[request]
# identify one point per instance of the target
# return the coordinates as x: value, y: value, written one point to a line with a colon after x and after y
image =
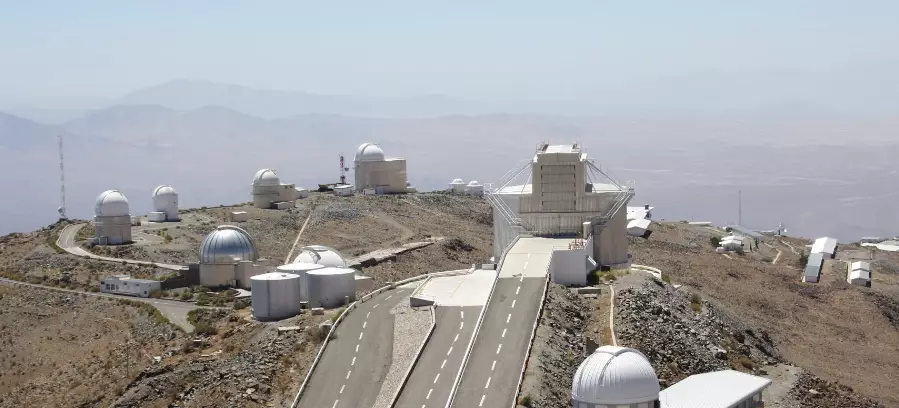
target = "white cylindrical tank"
x: 457, y: 186
x: 331, y: 287
x: 165, y: 200
x: 276, y: 295
x: 474, y: 188
x: 300, y: 269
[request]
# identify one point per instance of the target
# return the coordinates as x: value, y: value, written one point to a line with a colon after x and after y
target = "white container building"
x: 825, y: 245
x: 859, y: 273
x: 276, y: 295
x: 638, y: 227
x: 165, y: 204
x: 112, y: 219
x: 344, y: 190
x: 268, y: 190
x: 474, y: 188
x: 331, y: 287
x: 126, y: 285
x: 300, y: 269
x: 812, y: 271
x: 321, y: 255
x: 228, y: 258
x: 373, y: 169
x: 732, y: 243
x: 457, y: 186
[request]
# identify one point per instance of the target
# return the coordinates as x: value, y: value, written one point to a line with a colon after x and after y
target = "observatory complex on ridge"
x: 564, y: 194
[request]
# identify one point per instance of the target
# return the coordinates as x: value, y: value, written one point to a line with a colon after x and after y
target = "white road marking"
x: 499, y: 348
x: 342, y: 387
x: 450, y: 350
x: 367, y: 314
x: 457, y: 338
x: 482, y: 401
x: 461, y: 325
x: 493, y: 366
x: 504, y: 333
x: 360, y: 335
x: 521, y: 279
x: 435, y: 378
x: 335, y: 403
x: 348, y: 374
x: 429, y: 393
x: 509, y: 317
x: 488, y: 382
x: 444, y: 363
x: 354, y: 361
x: 366, y: 323
x: 461, y: 314
x: 517, y: 290
x: 513, y: 306
x: 357, y: 348
x: 388, y: 297
x: 525, y: 267
x: 375, y: 307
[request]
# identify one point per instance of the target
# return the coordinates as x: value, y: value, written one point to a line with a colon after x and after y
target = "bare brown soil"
x: 839, y: 332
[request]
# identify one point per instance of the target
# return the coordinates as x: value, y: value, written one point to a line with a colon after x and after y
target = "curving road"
x: 431, y: 380
x: 355, y: 362
x: 66, y: 241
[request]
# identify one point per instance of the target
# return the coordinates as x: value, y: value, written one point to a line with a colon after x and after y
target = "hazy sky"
x: 66, y: 53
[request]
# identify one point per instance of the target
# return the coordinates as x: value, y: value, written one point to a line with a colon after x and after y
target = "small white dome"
x: 266, y: 177
x: 474, y: 183
x: 321, y: 255
x: 457, y: 181
x: 369, y: 152
x: 226, y: 244
x: 163, y: 191
x: 111, y: 203
x: 615, y: 375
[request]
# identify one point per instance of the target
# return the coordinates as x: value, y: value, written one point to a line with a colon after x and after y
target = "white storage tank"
x: 276, y: 295
x: 300, y: 269
x: 331, y: 287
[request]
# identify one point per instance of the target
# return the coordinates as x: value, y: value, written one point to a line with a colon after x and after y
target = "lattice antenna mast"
x: 62, y: 182
x: 343, y: 170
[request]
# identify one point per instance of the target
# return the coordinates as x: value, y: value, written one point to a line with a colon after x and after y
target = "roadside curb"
x: 421, y: 348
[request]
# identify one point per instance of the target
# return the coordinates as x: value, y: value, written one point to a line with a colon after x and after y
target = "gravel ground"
x: 410, y: 329
x: 557, y: 351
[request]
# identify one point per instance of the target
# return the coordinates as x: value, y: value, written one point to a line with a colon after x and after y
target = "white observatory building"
x: 112, y: 219
x: 615, y: 377
x: 374, y: 170
x: 269, y: 192
x: 619, y: 377
x: 165, y: 205
x: 320, y: 255
x: 564, y: 194
x: 228, y: 258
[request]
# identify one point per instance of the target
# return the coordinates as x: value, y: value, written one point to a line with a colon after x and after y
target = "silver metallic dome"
x: 227, y: 243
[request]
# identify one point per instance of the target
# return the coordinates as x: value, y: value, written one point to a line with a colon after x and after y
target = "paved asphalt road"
x: 174, y: 310
x: 432, y: 378
x: 355, y: 363
x: 494, y: 367
x: 66, y: 241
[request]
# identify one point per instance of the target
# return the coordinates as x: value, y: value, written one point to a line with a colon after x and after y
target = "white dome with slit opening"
x: 321, y: 255
x: 266, y: 177
x: 615, y: 376
x: 111, y: 203
x: 369, y: 152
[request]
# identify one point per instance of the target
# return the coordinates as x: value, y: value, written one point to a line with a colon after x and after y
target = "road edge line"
x: 421, y: 348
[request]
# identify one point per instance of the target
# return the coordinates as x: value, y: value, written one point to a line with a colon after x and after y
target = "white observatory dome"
x: 266, y: 177
x: 457, y: 181
x: 225, y: 244
x: 369, y: 152
x: 615, y: 376
x: 321, y: 255
x: 111, y: 203
x: 165, y: 199
x: 474, y: 183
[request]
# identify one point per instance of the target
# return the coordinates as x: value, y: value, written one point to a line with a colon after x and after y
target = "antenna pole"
x: 342, y: 170
x: 739, y: 207
x: 62, y: 182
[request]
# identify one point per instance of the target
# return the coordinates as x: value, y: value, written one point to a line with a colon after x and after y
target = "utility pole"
x: 739, y: 207
x: 62, y: 182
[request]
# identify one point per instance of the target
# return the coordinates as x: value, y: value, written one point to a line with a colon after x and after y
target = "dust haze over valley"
x: 807, y: 131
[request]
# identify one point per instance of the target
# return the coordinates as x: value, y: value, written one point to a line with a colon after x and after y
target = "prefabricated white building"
x: 825, y: 245
x: 300, y: 269
x: 813, y: 268
x: 276, y: 295
x: 733, y: 243
x: 126, y: 285
x: 165, y: 202
x: 638, y: 227
x: 331, y: 287
x: 560, y: 197
x: 859, y: 273
x: 373, y: 169
x: 112, y: 218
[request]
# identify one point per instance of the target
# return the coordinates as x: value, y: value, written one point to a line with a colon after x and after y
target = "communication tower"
x: 62, y: 182
x: 343, y: 170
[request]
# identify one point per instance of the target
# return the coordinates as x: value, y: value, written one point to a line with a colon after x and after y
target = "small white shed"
x: 859, y: 273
